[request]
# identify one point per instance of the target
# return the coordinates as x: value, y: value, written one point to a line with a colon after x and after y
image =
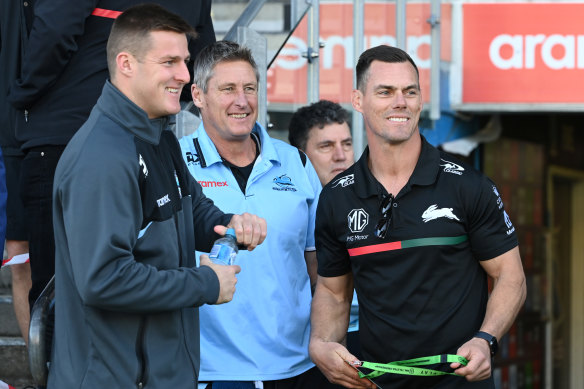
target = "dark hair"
x: 220, y: 51
x: 318, y: 115
x: 382, y: 53
x: 131, y: 30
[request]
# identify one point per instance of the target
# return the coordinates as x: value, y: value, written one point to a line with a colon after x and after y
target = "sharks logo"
x: 451, y: 167
x: 344, y: 181
x: 433, y: 212
x: 284, y: 183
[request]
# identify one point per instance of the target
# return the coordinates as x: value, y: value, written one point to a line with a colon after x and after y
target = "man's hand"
x: 478, y: 353
x: 227, y: 279
x: 250, y: 229
x: 331, y: 358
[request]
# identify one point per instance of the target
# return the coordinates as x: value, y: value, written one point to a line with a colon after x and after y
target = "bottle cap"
x: 230, y: 231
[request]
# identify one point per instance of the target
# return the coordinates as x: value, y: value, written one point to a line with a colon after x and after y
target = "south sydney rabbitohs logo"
x: 433, y: 212
x: 344, y: 181
x: 451, y: 167
x: 357, y: 220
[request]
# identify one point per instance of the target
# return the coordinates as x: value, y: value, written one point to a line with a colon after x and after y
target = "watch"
x: 491, y: 340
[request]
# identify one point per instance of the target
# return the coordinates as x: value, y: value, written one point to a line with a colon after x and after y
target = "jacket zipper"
x: 141, y: 382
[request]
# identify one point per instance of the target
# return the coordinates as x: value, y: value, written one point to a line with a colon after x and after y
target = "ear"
x: 197, y: 95
x: 357, y: 99
x: 125, y: 63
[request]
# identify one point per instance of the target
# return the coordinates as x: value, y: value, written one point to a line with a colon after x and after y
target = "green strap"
x: 409, y: 366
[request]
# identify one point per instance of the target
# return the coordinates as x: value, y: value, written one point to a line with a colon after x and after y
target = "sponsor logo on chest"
x: 433, y: 213
x: 284, y: 184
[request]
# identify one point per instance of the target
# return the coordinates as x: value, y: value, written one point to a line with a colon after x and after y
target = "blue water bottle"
x: 225, y: 249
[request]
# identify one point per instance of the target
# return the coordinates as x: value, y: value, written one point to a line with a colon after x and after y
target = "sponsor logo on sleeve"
x: 499, y: 200
x: 344, y: 181
x: 510, y: 228
x: 451, y: 167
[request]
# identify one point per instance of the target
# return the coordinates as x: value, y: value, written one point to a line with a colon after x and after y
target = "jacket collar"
x: 116, y: 106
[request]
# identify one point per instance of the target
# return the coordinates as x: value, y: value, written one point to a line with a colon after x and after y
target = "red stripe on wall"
x: 106, y: 13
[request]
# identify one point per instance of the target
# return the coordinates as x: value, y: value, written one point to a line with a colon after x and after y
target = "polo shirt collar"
x: 425, y: 172
x: 211, y: 155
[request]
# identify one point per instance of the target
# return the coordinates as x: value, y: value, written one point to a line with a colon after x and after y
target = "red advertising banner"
x: 523, y: 53
x: 287, y: 75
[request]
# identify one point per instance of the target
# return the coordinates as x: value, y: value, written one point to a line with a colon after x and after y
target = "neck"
x: 393, y: 164
x: 238, y: 152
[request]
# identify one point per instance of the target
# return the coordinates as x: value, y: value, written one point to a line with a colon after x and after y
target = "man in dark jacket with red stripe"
x: 63, y: 71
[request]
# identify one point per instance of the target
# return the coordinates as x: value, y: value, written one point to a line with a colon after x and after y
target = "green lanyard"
x: 410, y: 366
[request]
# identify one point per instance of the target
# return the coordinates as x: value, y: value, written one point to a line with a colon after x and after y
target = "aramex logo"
x: 212, y: 184
x: 525, y: 49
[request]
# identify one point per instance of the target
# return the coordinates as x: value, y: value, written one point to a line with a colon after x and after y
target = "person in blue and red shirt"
x: 417, y: 233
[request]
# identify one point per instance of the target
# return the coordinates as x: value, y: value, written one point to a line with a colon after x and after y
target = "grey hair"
x: 215, y: 53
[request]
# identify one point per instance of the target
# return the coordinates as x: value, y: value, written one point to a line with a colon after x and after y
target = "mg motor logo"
x: 357, y: 220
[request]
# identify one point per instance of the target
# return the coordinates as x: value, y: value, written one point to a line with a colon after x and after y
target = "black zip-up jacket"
x: 64, y: 65
x: 128, y: 217
x: 12, y: 36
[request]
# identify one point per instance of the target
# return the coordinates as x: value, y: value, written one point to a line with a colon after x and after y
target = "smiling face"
x: 330, y: 149
x: 229, y: 108
x: 159, y: 76
x: 391, y: 102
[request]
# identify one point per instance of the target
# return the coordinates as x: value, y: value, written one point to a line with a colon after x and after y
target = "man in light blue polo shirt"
x: 261, y: 338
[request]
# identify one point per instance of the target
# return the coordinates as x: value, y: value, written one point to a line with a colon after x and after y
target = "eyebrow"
x: 174, y: 58
x: 391, y: 87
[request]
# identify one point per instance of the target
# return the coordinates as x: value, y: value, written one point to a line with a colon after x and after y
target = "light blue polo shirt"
x: 263, y: 333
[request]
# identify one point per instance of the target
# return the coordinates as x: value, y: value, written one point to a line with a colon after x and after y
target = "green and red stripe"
x: 406, y: 244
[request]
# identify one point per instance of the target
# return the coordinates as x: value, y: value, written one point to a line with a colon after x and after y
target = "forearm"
x: 329, y: 318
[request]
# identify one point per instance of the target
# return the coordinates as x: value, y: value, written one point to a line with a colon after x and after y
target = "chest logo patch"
x: 433, y: 212
x: 357, y: 220
x: 344, y: 181
x: 143, y: 165
x: 451, y: 167
x: 192, y: 159
x: 284, y: 183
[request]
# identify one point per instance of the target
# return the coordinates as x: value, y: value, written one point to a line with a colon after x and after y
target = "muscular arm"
x: 329, y: 321
x: 508, y: 293
x: 506, y: 300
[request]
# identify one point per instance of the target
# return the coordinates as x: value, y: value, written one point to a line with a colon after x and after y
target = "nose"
x: 339, y: 153
x: 241, y: 98
x: 400, y: 100
x: 182, y: 74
